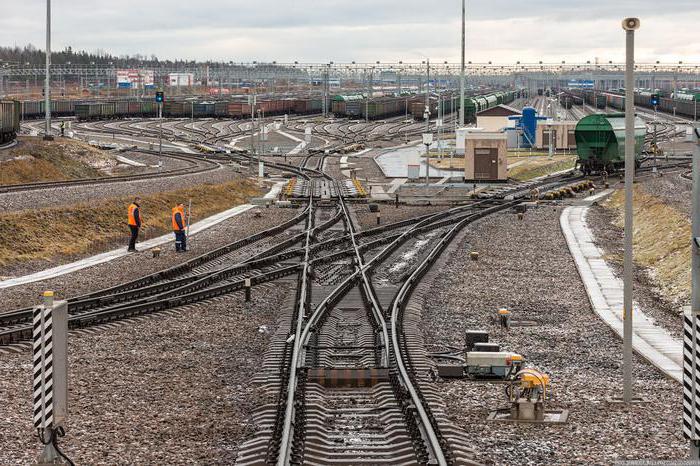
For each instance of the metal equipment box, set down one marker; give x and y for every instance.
(471, 337)
(487, 347)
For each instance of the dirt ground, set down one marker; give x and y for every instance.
(34, 159)
(43, 234)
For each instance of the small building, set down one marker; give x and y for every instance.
(561, 132)
(486, 156)
(496, 118)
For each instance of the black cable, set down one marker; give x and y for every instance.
(53, 439)
(60, 433)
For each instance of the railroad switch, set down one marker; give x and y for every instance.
(480, 359)
(528, 392)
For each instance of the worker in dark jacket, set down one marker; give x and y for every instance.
(134, 223)
(178, 219)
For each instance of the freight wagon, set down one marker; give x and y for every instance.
(338, 104)
(239, 109)
(600, 142)
(306, 106)
(9, 120)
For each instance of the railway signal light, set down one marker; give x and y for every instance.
(159, 97)
(654, 100)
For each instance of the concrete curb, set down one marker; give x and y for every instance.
(605, 293)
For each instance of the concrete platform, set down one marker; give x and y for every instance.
(142, 246)
(605, 292)
(394, 163)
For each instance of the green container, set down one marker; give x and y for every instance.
(600, 141)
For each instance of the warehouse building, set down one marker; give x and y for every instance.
(496, 118)
(561, 132)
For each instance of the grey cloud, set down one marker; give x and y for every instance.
(343, 30)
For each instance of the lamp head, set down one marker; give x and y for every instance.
(630, 24)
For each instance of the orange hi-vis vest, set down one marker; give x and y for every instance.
(132, 218)
(181, 211)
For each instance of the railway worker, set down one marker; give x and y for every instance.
(178, 220)
(63, 128)
(134, 216)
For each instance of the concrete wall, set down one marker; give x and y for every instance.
(492, 123)
(562, 129)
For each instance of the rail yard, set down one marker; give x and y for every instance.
(348, 263)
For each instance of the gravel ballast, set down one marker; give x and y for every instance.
(390, 214)
(169, 389)
(137, 265)
(70, 195)
(526, 267)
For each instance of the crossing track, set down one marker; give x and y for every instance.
(195, 164)
(347, 349)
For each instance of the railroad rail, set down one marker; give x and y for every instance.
(348, 358)
(196, 164)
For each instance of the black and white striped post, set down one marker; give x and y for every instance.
(691, 340)
(50, 382)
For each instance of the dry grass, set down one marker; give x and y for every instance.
(44, 234)
(661, 241)
(34, 159)
(457, 162)
(539, 166)
(533, 167)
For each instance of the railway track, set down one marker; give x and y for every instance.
(196, 164)
(347, 372)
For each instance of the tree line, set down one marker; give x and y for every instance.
(31, 55)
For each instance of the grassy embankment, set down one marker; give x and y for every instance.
(51, 233)
(539, 166)
(526, 168)
(34, 159)
(661, 241)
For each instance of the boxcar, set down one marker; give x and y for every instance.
(9, 120)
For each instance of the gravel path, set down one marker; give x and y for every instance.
(527, 268)
(137, 265)
(391, 214)
(165, 390)
(85, 194)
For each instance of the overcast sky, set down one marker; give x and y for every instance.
(361, 30)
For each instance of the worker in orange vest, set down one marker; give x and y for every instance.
(178, 219)
(134, 217)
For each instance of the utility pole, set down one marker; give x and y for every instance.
(629, 25)
(427, 94)
(160, 133)
(369, 93)
(461, 73)
(47, 92)
(691, 346)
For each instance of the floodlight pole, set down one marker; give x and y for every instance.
(461, 74)
(691, 344)
(629, 24)
(47, 92)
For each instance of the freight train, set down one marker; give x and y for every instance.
(600, 142)
(351, 106)
(685, 104)
(88, 110)
(472, 104)
(9, 120)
